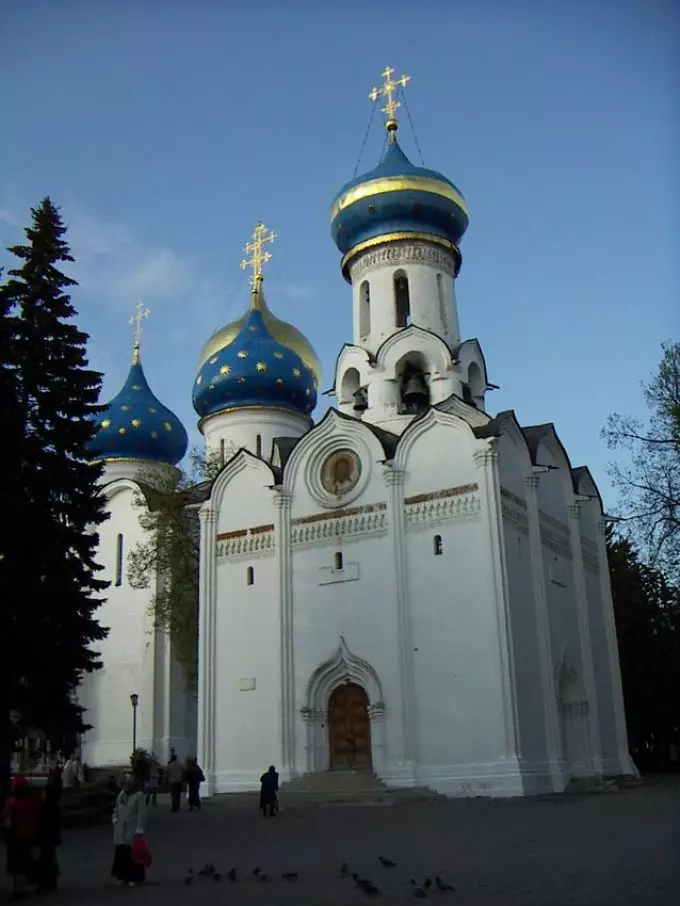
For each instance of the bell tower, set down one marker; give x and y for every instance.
(398, 228)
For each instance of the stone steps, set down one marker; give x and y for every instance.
(360, 788)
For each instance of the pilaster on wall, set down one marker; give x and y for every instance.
(550, 715)
(585, 639)
(283, 500)
(486, 460)
(626, 764)
(394, 481)
(207, 644)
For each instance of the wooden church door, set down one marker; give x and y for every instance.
(349, 729)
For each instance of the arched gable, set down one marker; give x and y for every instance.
(416, 341)
(544, 437)
(470, 353)
(350, 356)
(419, 427)
(241, 461)
(333, 431)
(588, 497)
(514, 458)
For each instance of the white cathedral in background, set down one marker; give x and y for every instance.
(410, 586)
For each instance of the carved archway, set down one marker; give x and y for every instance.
(342, 668)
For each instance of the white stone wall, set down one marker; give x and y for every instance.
(429, 269)
(250, 428)
(135, 657)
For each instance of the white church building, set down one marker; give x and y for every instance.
(410, 586)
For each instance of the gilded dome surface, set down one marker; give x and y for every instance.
(283, 333)
(257, 361)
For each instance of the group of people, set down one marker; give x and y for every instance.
(32, 822)
(32, 826)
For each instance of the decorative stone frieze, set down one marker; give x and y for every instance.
(408, 253)
(555, 535)
(259, 539)
(440, 509)
(360, 521)
(515, 510)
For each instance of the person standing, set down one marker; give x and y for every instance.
(194, 777)
(269, 787)
(174, 776)
(20, 818)
(49, 834)
(129, 818)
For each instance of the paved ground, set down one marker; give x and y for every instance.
(609, 849)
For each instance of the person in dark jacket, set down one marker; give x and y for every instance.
(269, 787)
(194, 777)
(49, 834)
(20, 818)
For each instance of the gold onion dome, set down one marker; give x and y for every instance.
(257, 360)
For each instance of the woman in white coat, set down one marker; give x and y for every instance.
(129, 818)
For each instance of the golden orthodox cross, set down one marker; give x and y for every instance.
(136, 320)
(388, 91)
(257, 256)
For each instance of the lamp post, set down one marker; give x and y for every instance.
(134, 701)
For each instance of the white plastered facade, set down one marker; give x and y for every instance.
(471, 601)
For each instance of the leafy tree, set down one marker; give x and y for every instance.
(167, 561)
(647, 611)
(51, 488)
(649, 483)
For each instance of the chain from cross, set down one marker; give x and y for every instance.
(136, 321)
(257, 256)
(387, 90)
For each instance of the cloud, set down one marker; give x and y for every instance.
(114, 261)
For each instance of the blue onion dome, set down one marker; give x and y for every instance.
(257, 361)
(397, 200)
(135, 425)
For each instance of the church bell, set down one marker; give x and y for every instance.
(415, 391)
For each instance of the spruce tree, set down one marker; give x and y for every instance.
(55, 597)
(13, 515)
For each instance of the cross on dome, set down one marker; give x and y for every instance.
(136, 321)
(257, 256)
(388, 90)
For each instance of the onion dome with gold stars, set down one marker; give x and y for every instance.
(396, 200)
(258, 360)
(135, 425)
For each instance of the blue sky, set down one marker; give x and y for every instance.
(165, 130)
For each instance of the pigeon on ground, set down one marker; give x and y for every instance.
(289, 875)
(427, 883)
(190, 877)
(443, 886)
(386, 863)
(367, 886)
(344, 869)
(257, 870)
(263, 876)
(419, 893)
(231, 874)
(207, 870)
(217, 876)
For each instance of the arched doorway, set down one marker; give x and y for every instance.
(349, 728)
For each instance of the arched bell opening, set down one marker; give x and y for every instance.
(414, 389)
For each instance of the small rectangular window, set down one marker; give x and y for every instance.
(438, 546)
(250, 576)
(119, 561)
(338, 561)
(258, 445)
